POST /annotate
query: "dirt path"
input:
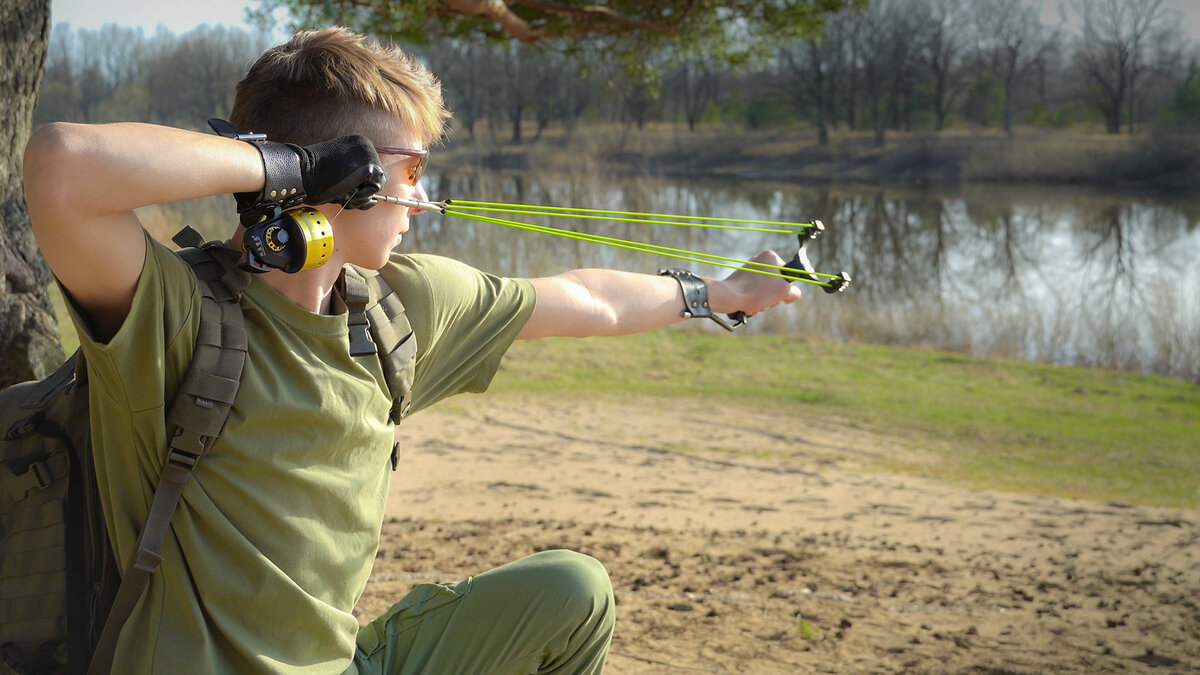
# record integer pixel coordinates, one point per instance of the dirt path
(786, 556)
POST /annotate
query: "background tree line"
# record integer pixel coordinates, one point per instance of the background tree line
(1121, 65)
(117, 73)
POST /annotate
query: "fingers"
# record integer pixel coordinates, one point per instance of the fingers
(793, 295)
(768, 257)
(343, 170)
(362, 197)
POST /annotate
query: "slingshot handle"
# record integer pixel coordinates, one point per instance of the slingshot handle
(799, 264)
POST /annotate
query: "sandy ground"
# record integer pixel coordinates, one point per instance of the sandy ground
(739, 542)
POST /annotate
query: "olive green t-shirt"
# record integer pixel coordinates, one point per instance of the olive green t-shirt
(277, 530)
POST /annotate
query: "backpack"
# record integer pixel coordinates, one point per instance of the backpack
(63, 599)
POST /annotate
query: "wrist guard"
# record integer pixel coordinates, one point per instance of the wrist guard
(342, 171)
(284, 184)
(695, 297)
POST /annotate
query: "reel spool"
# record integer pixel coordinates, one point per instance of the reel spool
(294, 240)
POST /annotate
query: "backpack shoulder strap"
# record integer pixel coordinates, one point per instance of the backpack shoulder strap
(198, 414)
(212, 262)
(377, 316)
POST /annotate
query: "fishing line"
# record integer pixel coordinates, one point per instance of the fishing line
(338, 213)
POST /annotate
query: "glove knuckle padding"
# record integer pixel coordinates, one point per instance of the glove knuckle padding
(345, 170)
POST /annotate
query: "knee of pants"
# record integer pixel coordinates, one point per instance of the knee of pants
(581, 579)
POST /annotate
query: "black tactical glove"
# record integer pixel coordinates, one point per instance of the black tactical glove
(344, 171)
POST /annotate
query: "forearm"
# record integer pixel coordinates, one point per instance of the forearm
(597, 302)
(590, 302)
(77, 171)
(82, 183)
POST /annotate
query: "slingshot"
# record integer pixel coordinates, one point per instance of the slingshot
(797, 269)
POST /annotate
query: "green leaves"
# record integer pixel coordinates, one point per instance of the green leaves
(625, 31)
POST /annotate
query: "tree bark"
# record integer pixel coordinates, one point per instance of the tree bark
(29, 346)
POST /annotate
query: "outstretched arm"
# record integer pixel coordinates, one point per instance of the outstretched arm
(595, 302)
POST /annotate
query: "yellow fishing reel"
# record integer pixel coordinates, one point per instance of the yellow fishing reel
(293, 240)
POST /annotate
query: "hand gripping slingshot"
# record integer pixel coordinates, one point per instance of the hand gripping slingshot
(799, 268)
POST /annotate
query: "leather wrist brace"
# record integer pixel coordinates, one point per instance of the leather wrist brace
(283, 184)
(695, 296)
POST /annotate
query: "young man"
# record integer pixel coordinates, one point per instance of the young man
(276, 532)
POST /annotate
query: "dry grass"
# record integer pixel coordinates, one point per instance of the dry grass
(1092, 158)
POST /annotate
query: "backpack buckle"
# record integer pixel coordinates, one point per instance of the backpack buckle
(361, 343)
(37, 477)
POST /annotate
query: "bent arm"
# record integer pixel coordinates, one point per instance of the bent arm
(594, 302)
(82, 183)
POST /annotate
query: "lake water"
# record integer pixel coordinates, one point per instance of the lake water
(1062, 275)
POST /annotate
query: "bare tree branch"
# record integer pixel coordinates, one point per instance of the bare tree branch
(586, 19)
(602, 14)
(497, 11)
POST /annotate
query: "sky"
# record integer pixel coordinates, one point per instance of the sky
(181, 16)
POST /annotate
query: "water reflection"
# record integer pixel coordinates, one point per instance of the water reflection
(1065, 276)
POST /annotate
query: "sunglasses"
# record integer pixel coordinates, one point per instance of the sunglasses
(414, 174)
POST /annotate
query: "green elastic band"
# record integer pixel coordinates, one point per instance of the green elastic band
(571, 209)
(679, 254)
(552, 212)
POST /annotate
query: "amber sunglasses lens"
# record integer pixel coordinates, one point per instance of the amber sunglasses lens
(418, 170)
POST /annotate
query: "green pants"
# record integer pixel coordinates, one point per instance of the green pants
(552, 612)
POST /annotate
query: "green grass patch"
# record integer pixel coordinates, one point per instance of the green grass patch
(989, 423)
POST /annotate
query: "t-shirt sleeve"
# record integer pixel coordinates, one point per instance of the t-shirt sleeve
(150, 352)
(464, 321)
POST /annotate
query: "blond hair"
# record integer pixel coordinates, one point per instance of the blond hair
(332, 82)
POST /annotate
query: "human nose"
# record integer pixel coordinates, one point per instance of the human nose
(419, 194)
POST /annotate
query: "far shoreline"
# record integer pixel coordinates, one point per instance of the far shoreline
(1166, 165)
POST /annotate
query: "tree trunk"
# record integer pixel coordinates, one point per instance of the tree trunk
(29, 346)
(851, 99)
(1008, 106)
(819, 94)
(879, 125)
(1010, 84)
(939, 100)
(1132, 103)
